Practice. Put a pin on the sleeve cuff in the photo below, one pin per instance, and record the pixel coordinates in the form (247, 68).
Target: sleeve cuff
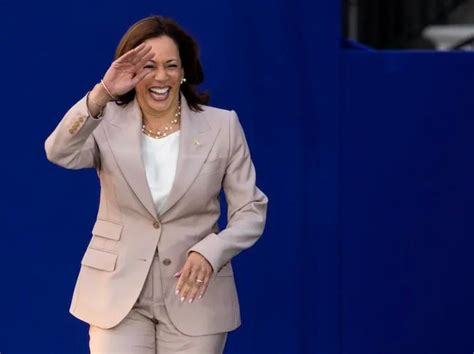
(203, 247)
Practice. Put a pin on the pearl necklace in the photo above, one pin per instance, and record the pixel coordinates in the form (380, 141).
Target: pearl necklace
(167, 128)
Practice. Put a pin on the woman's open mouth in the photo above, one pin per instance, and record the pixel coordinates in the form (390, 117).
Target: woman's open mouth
(159, 93)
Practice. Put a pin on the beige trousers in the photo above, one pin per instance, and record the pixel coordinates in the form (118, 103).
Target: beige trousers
(147, 329)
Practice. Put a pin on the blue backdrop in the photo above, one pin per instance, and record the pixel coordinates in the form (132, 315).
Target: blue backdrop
(366, 158)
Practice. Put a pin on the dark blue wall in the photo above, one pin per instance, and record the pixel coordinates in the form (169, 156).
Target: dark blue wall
(406, 202)
(365, 158)
(262, 59)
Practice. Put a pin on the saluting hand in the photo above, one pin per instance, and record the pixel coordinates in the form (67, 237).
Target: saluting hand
(193, 277)
(128, 70)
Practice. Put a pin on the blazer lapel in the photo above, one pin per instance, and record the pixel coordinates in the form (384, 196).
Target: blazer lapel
(125, 142)
(196, 140)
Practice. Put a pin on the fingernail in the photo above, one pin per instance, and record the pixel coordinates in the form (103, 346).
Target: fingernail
(200, 297)
(190, 300)
(176, 292)
(182, 298)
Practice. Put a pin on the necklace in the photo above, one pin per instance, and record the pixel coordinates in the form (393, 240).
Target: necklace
(166, 129)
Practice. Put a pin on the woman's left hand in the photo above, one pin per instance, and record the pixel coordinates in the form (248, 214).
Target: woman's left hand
(193, 277)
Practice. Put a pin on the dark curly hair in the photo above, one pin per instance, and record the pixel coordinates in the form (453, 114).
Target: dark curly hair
(157, 26)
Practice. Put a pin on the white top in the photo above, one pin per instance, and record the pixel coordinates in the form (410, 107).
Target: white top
(160, 157)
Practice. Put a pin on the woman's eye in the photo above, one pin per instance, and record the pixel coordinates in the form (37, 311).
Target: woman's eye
(148, 66)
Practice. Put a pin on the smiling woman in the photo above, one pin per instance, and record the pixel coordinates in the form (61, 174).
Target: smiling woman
(186, 58)
(157, 275)
(158, 92)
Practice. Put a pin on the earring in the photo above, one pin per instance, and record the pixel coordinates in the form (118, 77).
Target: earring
(183, 80)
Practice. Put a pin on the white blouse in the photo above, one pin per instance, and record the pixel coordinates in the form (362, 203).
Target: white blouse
(160, 157)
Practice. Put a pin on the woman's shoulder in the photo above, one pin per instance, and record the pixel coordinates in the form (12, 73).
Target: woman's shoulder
(215, 111)
(215, 115)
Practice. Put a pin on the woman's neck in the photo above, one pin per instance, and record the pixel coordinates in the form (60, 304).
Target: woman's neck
(158, 120)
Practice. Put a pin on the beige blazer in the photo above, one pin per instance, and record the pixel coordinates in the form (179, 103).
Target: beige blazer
(213, 154)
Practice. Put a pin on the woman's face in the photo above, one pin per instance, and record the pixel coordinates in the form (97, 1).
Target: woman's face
(158, 92)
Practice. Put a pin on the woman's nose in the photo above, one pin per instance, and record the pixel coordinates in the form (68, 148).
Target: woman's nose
(160, 73)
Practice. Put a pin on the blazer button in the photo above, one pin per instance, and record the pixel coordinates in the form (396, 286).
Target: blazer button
(166, 261)
(156, 225)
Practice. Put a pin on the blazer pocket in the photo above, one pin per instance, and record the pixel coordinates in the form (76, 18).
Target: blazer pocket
(99, 259)
(107, 229)
(211, 166)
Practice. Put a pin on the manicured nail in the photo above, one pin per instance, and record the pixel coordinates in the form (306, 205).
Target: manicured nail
(176, 292)
(182, 298)
(200, 297)
(190, 300)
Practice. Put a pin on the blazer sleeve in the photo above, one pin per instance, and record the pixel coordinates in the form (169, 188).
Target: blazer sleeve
(72, 144)
(246, 204)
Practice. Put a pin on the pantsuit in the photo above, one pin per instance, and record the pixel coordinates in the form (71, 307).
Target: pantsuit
(147, 329)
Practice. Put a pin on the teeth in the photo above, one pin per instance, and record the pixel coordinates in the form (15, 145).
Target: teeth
(160, 91)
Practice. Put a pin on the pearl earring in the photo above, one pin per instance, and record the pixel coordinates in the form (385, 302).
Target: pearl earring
(183, 80)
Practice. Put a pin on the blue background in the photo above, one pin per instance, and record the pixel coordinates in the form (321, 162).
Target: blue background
(366, 158)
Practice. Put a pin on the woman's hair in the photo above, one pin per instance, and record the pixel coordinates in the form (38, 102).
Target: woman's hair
(157, 26)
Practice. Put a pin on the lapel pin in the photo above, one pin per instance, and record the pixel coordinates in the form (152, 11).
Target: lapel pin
(196, 142)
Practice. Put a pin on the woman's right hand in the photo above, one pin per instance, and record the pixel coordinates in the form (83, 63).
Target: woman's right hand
(128, 70)
(121, 77)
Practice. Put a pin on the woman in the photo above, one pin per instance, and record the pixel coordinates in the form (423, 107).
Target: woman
(156, 276)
